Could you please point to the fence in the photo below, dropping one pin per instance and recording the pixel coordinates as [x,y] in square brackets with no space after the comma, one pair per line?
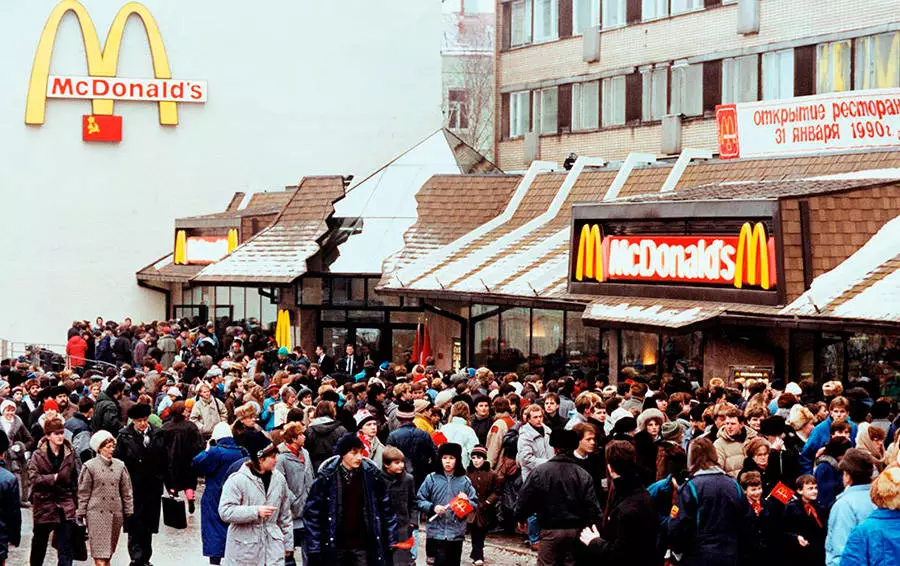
[11,349]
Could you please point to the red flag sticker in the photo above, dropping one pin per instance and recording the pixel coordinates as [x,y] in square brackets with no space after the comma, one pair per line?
[98,128]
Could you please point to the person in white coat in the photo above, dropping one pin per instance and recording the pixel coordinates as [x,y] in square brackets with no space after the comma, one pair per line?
[459,431]
[256,504]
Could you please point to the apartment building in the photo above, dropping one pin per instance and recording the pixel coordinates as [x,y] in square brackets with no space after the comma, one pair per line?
[610,77]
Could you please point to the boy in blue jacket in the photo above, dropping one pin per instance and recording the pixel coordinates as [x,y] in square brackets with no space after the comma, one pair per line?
[446,531]
[838,412]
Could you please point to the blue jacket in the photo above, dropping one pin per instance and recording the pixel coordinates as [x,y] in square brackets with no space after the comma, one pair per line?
[875,542]
[851,508]
[817,439]
[439,489]
[711,524]
[214,465]
[322,514]
[10,512]
[419,449]
[830,480]
[268,415]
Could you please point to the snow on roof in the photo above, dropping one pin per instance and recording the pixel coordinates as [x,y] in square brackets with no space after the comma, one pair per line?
[652,315]
[881,301]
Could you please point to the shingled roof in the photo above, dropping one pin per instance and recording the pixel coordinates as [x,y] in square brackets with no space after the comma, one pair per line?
[278,254]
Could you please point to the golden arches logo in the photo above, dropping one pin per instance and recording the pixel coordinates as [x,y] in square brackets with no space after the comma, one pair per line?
[753,247]
[103,63]
[589,262]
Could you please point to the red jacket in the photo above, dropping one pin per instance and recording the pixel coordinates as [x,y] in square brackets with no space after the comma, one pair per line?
[76,349]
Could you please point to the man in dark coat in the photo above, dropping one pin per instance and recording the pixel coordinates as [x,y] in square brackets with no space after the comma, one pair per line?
[10,512]
[182,441]
[351,364]
[139,446]
[107,413]
[326,362]
[416,444]
[348,516]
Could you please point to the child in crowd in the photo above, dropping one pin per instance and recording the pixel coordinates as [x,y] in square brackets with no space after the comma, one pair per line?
[805,525]
[446,531]
[402,491]
[487,486]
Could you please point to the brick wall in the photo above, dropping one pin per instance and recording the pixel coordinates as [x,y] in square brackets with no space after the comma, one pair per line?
[720,353]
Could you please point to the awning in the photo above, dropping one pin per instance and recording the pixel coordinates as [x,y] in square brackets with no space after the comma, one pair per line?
[651,313]
[165,270]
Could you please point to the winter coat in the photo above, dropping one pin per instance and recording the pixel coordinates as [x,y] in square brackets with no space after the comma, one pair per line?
[770,476]
[629,533]
[122,350]
[50,494]
[76,349]
[818,438]
[252,540]
[439,489]
[10,512]
[418,448]
[533,448]
[107,415]
[562,495]
[374,451]
[459,431]
[321,437]
[830,480]
[323,513]
[105,500]
[207,414]
[80,428]
[402,492]
[495,436]
[105,351]
[798,523]
[298,471]
[213,464]
[875,542]
[731,450]
[646,450]
[182,442]
[852,507]
[145,465]
[169,347]
[710,526]
[487,485]
[20,441]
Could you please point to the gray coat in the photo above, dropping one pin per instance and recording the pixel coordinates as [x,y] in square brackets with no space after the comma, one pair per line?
[298,473]
[252,540]
[534,448]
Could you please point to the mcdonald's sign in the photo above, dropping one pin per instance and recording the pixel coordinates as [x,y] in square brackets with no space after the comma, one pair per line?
[726,120]
[102,85]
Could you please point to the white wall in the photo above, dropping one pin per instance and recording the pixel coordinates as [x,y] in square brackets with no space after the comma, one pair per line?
[295,87]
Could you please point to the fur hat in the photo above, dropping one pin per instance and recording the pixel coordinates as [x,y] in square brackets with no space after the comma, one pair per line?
[455,450]
[174,392]
[347,443]
[421,406]
[564,440]
[7,403]
[800,417]
[138,411]
[53,425]
[649,414]
[793,388]
[100,438]
[772,426]
[220,431]
[362,417]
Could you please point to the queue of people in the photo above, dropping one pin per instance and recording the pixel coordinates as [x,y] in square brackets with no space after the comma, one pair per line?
[303,463]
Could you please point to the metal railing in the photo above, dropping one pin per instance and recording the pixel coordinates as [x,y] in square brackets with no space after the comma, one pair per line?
[11,349]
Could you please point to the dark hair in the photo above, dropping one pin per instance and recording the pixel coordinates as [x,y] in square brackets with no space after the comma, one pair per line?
[85,404]
[115,387]
[806,479]
[176,411]
[501,404]
[621,457]
[701,455]
[858,464]
[325,409]
[842,426]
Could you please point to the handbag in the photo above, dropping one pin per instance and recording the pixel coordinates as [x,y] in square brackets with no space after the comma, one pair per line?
[79,542]
[173,512]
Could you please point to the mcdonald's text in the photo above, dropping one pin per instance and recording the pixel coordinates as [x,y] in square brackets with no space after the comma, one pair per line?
[114,88]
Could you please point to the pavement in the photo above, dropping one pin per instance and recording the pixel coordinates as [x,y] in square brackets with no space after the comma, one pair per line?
[173,547]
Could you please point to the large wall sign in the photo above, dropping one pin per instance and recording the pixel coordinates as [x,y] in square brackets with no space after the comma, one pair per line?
[102,86]
[677,250]
[806,124]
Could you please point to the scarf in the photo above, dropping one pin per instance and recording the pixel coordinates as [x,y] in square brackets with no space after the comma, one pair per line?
[367,446]
[756,505]
[811,512]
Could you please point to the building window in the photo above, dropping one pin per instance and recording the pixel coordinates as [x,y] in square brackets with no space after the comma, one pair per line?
[518,113]
[778,74]
[638,355]
[655,94]
[684,6]
[654,9]
[545,108]
[458,109]
[613,101]
[833,74]
[613,13]
[687,90]
[878,61]
[585,13]
[521,22]
[586,105]
[740,79]
[546,20]
[515,326]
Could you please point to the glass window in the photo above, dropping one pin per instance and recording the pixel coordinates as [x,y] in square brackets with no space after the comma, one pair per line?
[237,299]
[514,339]
[683,352]
[878,61]
[334,315]
[253,303]
[655,94]
[458,109]
[482,309]
[340,291]
[520,32]
[486,341]
[334,339]
[368,316]
[312,290]
[545,110]
[877,357]
[547,339]
[222,296]
[778,74]
[587,348]
[740,79]
[519,116]
[404,317]
[613,101]
[402,345]
[546,20]
[613,13]
[687,90]
[586,105]
[269,313]
[654,9]
[638,351]
[358,291]
[833,70]
[368,344]
[831,357]
[682,6]
[585,13]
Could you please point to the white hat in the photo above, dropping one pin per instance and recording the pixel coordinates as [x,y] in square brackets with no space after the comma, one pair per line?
[174,392]
[6,403]
[214,372]
[793,388]
[220,431]
[99,439]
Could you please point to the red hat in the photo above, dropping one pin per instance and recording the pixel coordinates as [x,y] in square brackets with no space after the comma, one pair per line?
[51,404]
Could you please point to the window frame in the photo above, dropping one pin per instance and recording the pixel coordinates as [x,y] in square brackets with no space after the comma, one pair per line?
[594,18]
[606,12]
[781,60]
[516,102]
[458,108]
[831,48]
[606,110]
[540,114]
[680,85]
[553,35]
[865,64]
[526,24]
[580,101]
[650,104]
[733,69]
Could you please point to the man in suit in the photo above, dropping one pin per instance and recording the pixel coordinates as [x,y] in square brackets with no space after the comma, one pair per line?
[326,362]
[350,364]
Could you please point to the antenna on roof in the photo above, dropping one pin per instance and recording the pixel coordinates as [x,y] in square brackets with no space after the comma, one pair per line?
[533,290]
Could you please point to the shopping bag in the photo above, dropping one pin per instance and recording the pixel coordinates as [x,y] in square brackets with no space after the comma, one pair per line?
[79,543]
[173,512]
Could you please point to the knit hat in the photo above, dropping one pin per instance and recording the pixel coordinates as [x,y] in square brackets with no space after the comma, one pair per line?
[220,431]
[283,351]
[362,417]
[347,443]
[406,410]
[480,450]
[7,403]
[174,392]
[100,438]
[670,430]
[772,426]
[51,404]
[138,411]
[272,387]
[53,425]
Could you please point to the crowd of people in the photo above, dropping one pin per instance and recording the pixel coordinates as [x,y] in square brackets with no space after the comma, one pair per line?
[305,459]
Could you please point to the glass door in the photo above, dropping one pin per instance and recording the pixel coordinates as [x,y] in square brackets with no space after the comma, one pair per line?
[368,344]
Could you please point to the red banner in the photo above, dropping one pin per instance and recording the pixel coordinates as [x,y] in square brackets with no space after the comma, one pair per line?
[99,128]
